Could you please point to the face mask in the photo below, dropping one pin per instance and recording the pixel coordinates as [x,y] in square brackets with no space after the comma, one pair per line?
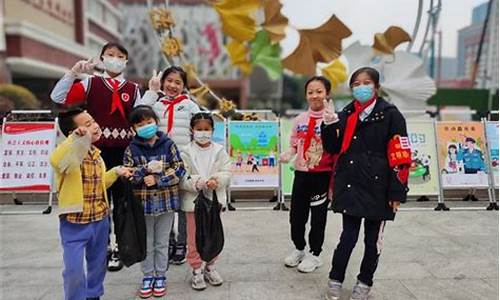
[114,64]
[202,137]
[147,131]
[362,93]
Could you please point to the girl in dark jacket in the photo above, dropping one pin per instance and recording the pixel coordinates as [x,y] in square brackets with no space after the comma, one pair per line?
[370,178]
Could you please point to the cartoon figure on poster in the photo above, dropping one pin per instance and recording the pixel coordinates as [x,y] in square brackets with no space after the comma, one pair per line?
[420,164]
[462,160]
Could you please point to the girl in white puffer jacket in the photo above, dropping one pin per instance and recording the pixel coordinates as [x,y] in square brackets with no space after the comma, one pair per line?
[174,110]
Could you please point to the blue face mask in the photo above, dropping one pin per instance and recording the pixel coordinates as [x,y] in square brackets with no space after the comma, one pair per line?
[147,131]
[362,93]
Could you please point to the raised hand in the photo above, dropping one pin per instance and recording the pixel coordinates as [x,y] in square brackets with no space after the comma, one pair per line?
[155,82]
[84,66]
[329,115]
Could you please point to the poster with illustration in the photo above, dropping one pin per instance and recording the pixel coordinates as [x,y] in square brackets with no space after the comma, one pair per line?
[462,161]
[219,135]
[492,136]
[253,148]
[287,170]
[423,179]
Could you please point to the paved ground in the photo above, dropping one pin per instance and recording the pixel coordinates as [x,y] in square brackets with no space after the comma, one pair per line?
[427,255]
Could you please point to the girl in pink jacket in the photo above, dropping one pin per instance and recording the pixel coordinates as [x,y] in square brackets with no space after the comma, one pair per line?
[313,172]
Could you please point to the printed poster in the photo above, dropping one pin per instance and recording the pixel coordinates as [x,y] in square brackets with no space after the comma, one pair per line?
[492,136]
[287,170]
[423,179]
[462,147]
[253,148]
[24,156]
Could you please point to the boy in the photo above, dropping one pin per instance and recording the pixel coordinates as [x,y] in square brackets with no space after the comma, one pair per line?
[82,181]
[158,169]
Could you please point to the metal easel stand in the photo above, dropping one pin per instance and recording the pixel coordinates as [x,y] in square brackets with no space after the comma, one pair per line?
[281,197]
[441,206]
[493,205]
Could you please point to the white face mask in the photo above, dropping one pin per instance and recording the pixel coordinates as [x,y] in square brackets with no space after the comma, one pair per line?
[202,137]
[114,64]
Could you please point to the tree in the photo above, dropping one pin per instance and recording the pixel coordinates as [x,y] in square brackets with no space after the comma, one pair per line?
[21,97]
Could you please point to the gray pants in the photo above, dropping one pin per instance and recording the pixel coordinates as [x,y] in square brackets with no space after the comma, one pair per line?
[181,229]
[158,230]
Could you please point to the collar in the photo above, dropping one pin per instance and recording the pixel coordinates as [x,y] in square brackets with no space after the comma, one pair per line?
[94,152]
[315,114]
[120,77]
[367,111]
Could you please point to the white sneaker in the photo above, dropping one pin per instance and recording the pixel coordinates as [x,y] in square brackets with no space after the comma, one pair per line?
[213,277]
[309,264]
[198,280]
[294,258]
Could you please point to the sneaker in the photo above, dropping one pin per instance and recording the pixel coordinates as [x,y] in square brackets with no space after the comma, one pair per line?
[114,263]
[360,291]
[146,290]
[179,256]
[230,207]
[309,263]
[334,290]
[198,280]
[160,286]
[213,277]
[294,258]
[171,250]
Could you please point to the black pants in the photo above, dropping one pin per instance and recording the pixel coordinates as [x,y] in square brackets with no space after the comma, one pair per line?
[114,157]
[348,238]
[308,190]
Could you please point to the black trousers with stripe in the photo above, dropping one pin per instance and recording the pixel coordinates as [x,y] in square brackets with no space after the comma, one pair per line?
[348,239]
[309,189]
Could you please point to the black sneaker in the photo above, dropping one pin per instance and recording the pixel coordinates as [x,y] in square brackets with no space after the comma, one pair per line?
[114,263]
[171,250]
[179,256]
[473,198]
[231,207]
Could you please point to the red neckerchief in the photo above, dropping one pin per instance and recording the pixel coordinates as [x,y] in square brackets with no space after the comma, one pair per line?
[352,121]
[116,103]
[170,109]
[310,134]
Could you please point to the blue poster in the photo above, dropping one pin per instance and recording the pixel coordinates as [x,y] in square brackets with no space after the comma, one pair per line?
[492,137]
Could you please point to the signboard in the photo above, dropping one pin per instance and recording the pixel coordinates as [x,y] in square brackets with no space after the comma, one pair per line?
[287,170]
[219,135]
[24,156]
[461,149]
[423,179]
[253,148]
[492,137]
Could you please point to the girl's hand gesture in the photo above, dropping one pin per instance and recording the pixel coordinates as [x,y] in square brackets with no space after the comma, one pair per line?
[155,82]
[329,115]
[84,67]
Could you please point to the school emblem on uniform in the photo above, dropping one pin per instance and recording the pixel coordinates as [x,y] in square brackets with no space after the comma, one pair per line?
[125,97]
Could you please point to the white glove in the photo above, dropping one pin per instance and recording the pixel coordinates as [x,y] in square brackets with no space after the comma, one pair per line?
[329,115]
[155,166]
[84,67]
[155,82]
[286,156]
[201,184]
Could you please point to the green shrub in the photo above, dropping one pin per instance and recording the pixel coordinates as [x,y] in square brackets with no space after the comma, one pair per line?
[21,97]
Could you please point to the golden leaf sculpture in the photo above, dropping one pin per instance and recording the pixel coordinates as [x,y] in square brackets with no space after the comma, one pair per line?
[388,41]
[274,23]
[199,92]
[191,72]
[161,18]
[237,17]
[336,72]
[322,44]
[172,46]
[239,52]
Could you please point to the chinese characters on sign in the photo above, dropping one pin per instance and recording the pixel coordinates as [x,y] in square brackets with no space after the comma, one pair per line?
[24,156]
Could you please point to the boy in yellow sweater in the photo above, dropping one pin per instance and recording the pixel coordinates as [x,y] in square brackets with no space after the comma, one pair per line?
[82,181]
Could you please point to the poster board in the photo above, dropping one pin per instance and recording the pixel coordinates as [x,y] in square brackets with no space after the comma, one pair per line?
[461,154]
[24,156]
[423,179]
[492,138]
[253,149]
[287,170]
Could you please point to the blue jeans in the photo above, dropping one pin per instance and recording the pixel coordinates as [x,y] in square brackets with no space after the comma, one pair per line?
[79,241]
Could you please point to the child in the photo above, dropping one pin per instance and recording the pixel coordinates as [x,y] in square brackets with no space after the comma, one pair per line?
[109,99]
[313,169]
[168,96]
[371,175]
[208,169]
[158,170]
[82,181]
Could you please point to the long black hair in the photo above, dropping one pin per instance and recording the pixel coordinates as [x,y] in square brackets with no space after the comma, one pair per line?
[371,72]
[174,69]
[322,79]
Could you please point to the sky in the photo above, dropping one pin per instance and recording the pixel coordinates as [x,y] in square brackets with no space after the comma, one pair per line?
[367,17]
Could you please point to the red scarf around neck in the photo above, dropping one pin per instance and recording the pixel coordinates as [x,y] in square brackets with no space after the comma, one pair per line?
[116,103]
[170,104]
[352,121]
[310,134]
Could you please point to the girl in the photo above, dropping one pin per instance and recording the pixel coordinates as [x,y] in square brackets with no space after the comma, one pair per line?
[109,99]
[313,168]
[168,97]
[158,171]
[208,169]
[371,175]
